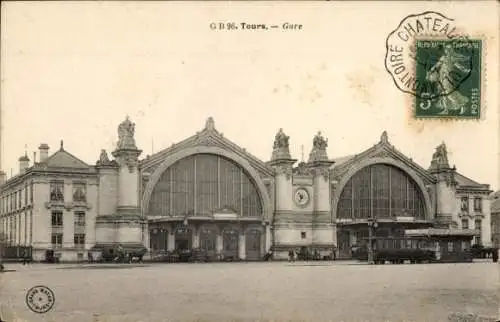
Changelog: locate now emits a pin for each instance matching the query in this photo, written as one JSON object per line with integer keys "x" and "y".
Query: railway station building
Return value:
{"x": 207, "y": 192}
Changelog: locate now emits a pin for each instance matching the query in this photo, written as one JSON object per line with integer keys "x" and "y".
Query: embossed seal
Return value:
{"x": 40, "y": 299}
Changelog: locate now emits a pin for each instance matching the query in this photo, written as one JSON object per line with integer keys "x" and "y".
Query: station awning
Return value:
{"x": 213, "y": 218}
{"x": 441, "y": 232}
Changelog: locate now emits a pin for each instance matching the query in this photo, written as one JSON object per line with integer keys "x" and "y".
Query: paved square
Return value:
{"x": 255, "y": 292}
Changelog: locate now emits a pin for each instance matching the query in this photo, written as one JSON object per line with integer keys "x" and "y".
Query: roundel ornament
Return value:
{"x": 301, "y": 197}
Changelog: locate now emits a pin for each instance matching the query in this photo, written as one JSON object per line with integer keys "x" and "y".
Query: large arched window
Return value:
{"x": 381, "y": 191}
{"x": 203, "y": 183}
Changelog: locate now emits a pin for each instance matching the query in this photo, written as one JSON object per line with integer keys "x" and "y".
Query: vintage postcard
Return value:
{"x": 249, "y": 161}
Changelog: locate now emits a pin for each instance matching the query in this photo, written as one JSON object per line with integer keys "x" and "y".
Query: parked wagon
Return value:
{"x": 419, "y": 246}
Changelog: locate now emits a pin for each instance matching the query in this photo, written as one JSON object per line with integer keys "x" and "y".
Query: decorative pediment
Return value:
{"x": 64, "y": 159}
{"x": 209, "y": 136}
{"x": 384, "y": 150}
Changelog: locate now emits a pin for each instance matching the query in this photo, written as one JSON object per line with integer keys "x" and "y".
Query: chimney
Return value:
{"x": 24, "y": 163}
{"x": 44, "y": 152}
{"x": 3, "y": 177}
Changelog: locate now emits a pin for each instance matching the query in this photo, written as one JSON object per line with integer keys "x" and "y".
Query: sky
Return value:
{"x": 73, "y": 71}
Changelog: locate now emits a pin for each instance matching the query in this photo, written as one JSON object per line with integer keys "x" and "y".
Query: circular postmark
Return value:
{"x": 40, "y": 299}
{"x": 427, "y": 57}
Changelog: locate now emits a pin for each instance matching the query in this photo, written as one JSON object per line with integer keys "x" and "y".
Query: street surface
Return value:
{"x": 279, "y": 291}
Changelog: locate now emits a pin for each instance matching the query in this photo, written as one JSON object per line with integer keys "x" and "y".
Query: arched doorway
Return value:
{"x": 203, "y": 183}
{"x": 158, "y": 239}
{"x": 253, "y": 243}
{"x": 210, "y": 192}
{"x": 230, "y": 242}
{"x": 183, "y": 238}
{"x": 378, "y": 191}
{"x": 208, "y": 239}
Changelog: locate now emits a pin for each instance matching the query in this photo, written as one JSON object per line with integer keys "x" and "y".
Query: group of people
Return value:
{"x": 292, "y": 255}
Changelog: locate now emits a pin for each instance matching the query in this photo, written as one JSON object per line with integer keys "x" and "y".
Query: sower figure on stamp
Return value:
{"x": 449, "y": 64}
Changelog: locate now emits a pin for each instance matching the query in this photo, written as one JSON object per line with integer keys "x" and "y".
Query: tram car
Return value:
{"x": 415, "y": 249}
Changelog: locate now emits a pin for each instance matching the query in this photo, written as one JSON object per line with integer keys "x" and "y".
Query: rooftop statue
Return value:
{"x": 126, "y": 132}
{"x": 384, "y": 138}
{"x": 281, "y": 146}
{"x": 103, "y": 157}
{"x": 440, "y": 157}
{"x": 319, "y": 142}
{"x": 281, "y": 140}
{"x": 318, "y": 152}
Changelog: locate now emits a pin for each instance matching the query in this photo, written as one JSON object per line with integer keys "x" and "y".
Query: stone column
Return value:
{"x": 18, "y": 229}
{"x": 445, "y": 187}
{"x": 68, "y": 229}
{"x": 352, "y": 238}
{"x": 267, "y": 238}
{"x": 321, "y": 182}
{"x": 171, "y": 240}
{"x": 196, "y": 237}
{"x": 145, "y": 233}
{"x": 283, "y": 233}
{"x": 22, "y": 226}
{"x": 218, "y": 243}
{"x": 128, "y": 212}
{"x": 30, "y": 227}
{"x": 324, "y": 232}
{"x": 486, "y": 223}
{"x": 242, "y": 250}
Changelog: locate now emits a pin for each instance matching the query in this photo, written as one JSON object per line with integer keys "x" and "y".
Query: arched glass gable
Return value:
{"x": 203, "y": 183}
{"x": 381, "y": 191}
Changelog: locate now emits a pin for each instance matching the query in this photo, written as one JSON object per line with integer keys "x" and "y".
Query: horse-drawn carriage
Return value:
{"x": 119, "y": 254}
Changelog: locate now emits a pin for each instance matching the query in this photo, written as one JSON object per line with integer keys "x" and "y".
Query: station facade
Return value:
{"x": 207, "y": 192}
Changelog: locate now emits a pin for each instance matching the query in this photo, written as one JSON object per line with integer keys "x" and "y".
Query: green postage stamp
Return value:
{"x": 448, "y": 78}
{"x": 429, "y": 58}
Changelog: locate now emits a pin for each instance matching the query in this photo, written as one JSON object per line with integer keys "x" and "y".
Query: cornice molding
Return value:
{"x": 68, "y": 206}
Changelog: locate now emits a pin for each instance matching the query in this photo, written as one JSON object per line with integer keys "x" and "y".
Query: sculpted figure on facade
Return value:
{"x": 302, "y": 169}
{"x": 126, "y": 132}
{"x": 281, "y": 140}
{"x": 319, "y": 142}
{"x": 103, "y": 158}
{"x": 318, "y": 152}
{"x": 440, "y": 157}
{"x": 384, "y": 138}
{"x": 281, "y": 147}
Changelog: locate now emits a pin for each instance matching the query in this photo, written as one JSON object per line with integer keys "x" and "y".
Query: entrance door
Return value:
{"x": 253, "y": 243}
{"x": 208, "y": 240}
{"x": 344, "y": 246}
{"x": 158, "y": 240}
{"x": 183, "y": 236}
{"x": 230, "y": 241}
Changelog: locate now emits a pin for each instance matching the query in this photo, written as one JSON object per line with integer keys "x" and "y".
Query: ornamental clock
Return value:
{"x": 301, "y": 197}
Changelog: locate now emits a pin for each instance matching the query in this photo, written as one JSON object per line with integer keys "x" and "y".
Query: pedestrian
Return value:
{"x": 25, "y": 258}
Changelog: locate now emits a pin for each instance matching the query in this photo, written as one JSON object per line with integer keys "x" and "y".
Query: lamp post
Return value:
{"x": 372, "y": 223}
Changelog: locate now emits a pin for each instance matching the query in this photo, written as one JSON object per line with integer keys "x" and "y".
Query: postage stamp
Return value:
{"x": 429, "y": 58}
{"x": 449, "y": 74}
